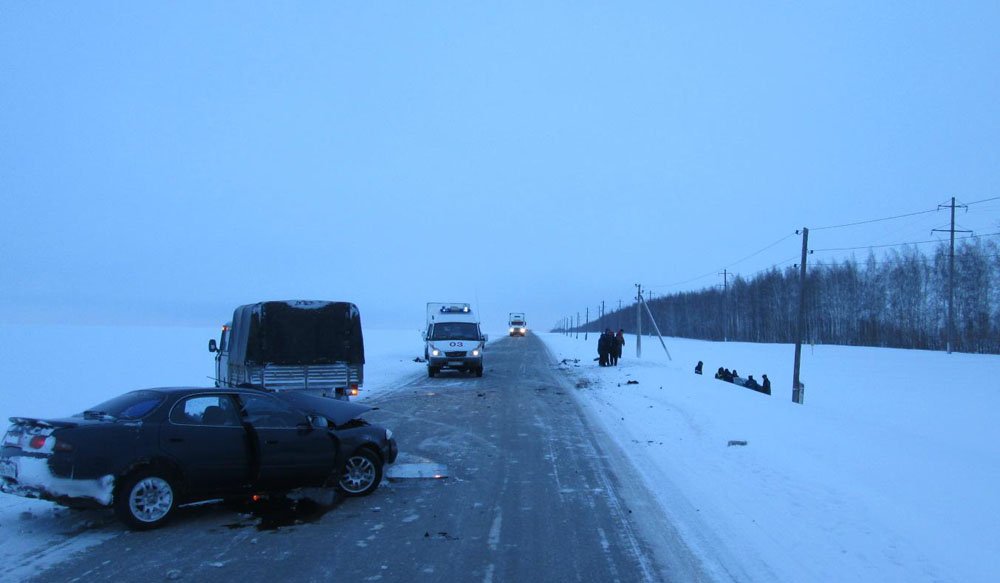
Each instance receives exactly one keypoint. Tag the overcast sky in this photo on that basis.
(165, 162)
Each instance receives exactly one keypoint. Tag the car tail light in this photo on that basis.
(48, 443)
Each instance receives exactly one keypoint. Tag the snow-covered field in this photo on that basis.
(887, 473)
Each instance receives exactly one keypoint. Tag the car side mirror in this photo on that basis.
(486, 337)
(212, 346)
(318, 421)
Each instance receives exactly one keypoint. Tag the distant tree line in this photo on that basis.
(899, 300)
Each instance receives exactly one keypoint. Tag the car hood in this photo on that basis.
(339, 412)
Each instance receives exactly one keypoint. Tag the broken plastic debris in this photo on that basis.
(415, 471)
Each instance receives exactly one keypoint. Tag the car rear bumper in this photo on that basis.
(30, 477)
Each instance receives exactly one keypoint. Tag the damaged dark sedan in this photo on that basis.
(146, 452)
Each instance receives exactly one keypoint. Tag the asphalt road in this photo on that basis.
(532, 492)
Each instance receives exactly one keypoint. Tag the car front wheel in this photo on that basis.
(362, 474)
(146, 499)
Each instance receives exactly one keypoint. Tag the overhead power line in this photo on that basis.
(737, 262)
(902, 244)
(865, 222)
(875, 220)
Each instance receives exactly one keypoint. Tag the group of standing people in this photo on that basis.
(731, 376)
(609, 347)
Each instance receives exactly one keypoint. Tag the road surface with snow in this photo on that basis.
(532, 492)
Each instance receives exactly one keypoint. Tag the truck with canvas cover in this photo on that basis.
(518, 326)
(296, 345)
(453, 339)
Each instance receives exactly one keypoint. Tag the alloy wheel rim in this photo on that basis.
(359, 473)
(151, 499)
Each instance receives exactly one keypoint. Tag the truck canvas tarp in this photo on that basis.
(315, 346)
(306, 333)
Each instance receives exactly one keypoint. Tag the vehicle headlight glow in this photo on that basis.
(511, 330)
(435, 352)
(475, 353)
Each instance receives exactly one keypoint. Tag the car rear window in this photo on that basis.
(133, 405)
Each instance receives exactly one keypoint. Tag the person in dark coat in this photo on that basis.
(765, 387)
(727, 376)
(616, 347)
(720, 374)
(604, 347)
(697, 368)
(751, 383)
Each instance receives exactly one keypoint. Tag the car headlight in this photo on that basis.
(435, 352)
(388, 433)
(511, 330)
(475, 353)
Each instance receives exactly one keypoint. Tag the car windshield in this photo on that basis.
(134, 405)
(455, 331)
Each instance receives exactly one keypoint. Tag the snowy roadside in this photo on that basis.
(887, 472)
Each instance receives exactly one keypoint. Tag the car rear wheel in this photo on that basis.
(146, 499)
(362, 474)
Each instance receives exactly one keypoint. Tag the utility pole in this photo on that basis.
(586, 323)
(638, 321)
(798, 391)
(655, 326)
(602, 311)
(725, 305)
(951, 270)
(577, 326)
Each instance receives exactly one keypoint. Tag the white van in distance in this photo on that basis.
(453, 338)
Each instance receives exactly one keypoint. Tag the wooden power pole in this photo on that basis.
(798, 390)
(638, 321)
(951, 272)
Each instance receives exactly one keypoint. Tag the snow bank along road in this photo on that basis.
(533, 493)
